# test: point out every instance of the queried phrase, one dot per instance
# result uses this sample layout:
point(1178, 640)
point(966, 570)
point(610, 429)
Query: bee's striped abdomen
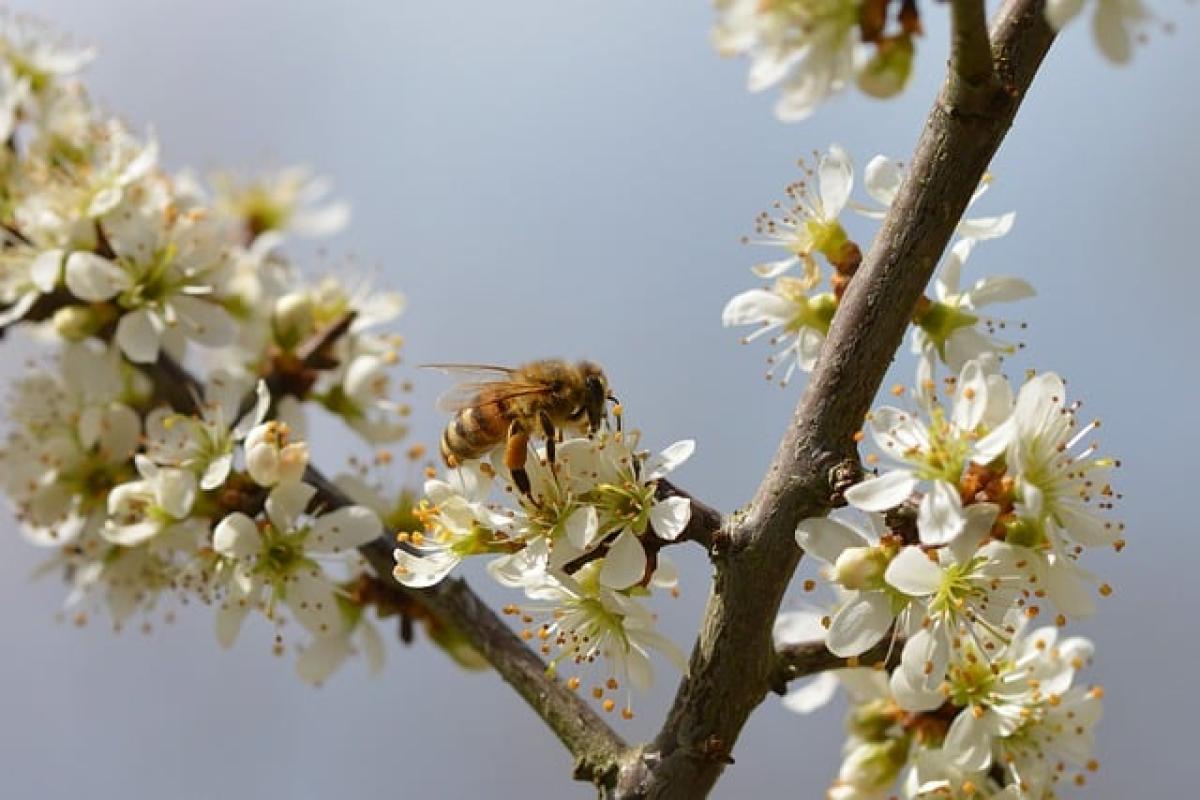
point(474, 431)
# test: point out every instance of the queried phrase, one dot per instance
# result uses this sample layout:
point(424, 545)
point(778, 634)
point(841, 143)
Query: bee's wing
point(476, 394)
point(482, 371)
point(473, 379)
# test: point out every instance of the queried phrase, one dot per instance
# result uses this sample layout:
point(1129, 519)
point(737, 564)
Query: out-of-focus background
point(557, 177)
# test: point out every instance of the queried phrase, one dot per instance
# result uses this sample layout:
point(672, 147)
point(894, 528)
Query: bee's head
point(595, 394)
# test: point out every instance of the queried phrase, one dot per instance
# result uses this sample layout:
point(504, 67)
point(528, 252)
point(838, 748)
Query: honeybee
point(502, 405)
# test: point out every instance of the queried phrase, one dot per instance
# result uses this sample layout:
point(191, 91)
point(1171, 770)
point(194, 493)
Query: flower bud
point(76, 323)
point(887, 72)
point(293, 318)
point(873, 766)
point(270, 458)
point(860, 567)
point(871, 721)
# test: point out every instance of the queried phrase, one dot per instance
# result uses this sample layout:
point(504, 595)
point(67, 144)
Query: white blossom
point(165, 276)
point(858, 562)
point(950, 328)
point(288, 201)
point(1115, 23)
point(807, 46)
point(72, 439)
point(204, 443)
point(933, 456)
point(882, 181)
point(274, 561)
point(272, 457)
point(1060, 486)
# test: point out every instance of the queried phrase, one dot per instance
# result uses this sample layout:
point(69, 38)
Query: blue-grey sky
point(556, 177)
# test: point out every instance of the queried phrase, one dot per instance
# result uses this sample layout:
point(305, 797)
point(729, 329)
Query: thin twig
point(971, 76)
point(702, 528)
point(795, 661)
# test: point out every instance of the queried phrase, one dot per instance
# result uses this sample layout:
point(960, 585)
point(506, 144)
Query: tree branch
point(970, 77)
point(593, 743)
point(795, 661)
point(589, 738)
point(595, 746)
point(733, 662)
point(702, 528)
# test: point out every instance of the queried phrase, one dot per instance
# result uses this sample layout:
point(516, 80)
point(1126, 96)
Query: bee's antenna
point(617, 410)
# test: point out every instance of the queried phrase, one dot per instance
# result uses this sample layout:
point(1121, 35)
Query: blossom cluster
point(583, 545)
point(975, 529)
point(797, 310)
point(1013, 722)
point(815, 49)
point(982, 500)
point(152, 487)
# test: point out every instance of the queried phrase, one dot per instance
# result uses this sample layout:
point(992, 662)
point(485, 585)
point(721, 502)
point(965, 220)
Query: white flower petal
point(581, 526)
point(756, 306)
point(206, 322)
point(882, 179)
point(1086, 528)
point(419, 572)
point(344, 529)
point(984, 228)
point(913, 573)
point(625, 563)
point(884, 492)
point(669, 517)
point(826, 539)
point(1112, 35)
point(237, 537)
point(139, 335)
point(665, 462)
point(1067, 586)
point(92, 278)
point(859, 624)
point(798, 627)
point(175, 491)
point(216, 472)
point(940, 516)
point(808, 696)
point(773, 269)
point(286, 503)
point(372, 645)
point(911, 695)
point(835, 173)
point(230, 615)
point(950, 276)
point(808, 348)
point(311, 598)
point(321, 657)
point(999, 289)
point(1060, 12)
point(970, 397)
point(968, 742)
point(45, 270)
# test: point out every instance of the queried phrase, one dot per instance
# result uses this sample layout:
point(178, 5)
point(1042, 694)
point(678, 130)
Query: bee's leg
point(516, 449)
point(551, 437)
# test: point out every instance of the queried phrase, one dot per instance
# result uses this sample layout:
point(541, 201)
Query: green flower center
point(939, 322)
point(947, 452)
